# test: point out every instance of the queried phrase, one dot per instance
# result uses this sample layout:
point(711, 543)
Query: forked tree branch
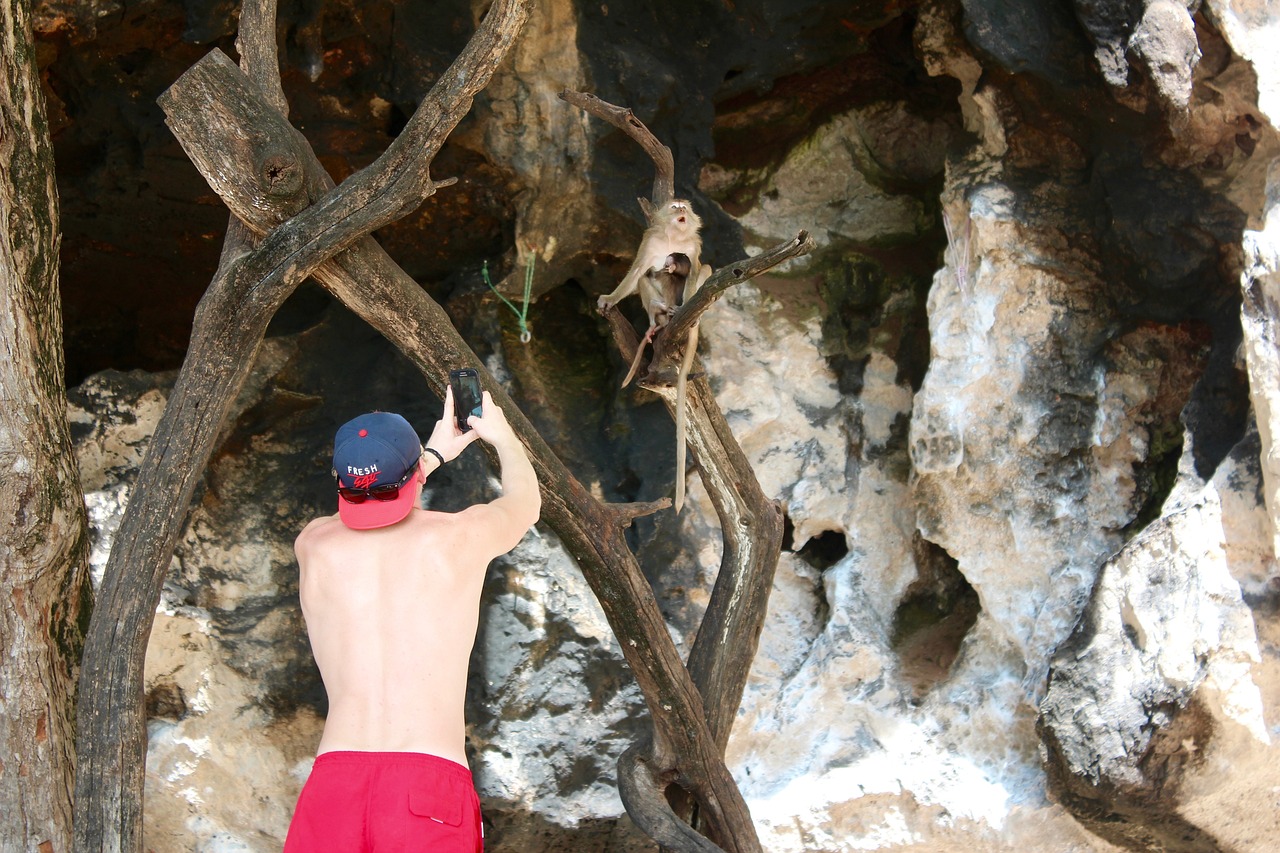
point(641, 786)
point(368, 282)
point(230, 322)
point(733, 274)
point(259, 52)
point(664, 180)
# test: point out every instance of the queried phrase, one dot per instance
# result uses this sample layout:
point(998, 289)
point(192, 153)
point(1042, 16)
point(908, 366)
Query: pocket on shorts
point(440, 801)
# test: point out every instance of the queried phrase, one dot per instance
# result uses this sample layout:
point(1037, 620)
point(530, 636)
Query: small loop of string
point(522, 313)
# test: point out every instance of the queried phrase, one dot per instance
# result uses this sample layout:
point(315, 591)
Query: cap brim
point(371, 513)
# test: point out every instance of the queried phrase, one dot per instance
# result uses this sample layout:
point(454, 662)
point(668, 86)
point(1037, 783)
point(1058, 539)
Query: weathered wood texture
point(664, 176)
point(642, 784)
point(751, 523)
point(43, 534)
point(248, 288)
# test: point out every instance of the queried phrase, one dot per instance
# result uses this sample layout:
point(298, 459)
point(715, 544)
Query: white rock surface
point(1189, 710)
point(828, 747)
point(829, 183)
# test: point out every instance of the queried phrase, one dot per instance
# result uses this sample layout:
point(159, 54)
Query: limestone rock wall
point(1019, 406)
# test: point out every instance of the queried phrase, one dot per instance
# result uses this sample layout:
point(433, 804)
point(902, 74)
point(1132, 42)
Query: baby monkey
point(669, 283)
point(673, 277)
point(667, 271)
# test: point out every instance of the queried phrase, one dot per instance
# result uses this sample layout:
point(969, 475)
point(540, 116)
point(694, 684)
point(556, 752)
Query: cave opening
point(824, 550)
point(933, 618)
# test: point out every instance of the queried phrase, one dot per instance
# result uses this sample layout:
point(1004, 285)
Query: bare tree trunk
point(750, 523)
point(43, 541)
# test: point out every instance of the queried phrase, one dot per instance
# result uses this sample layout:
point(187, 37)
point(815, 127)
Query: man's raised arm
point(520, 503)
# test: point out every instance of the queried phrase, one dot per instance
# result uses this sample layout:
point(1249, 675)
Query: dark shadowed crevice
point(820, 553)
point(824, 550)
point(166, 700)
point(1157, 476)
point(1132, 810)
point(934, 616)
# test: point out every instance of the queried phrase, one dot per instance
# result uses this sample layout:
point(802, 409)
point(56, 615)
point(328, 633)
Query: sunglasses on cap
point(385, 492)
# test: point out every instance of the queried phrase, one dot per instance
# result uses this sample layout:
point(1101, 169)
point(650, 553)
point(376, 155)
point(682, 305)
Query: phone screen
point(466, 395)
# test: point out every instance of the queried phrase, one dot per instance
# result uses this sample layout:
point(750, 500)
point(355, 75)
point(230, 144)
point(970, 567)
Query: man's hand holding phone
point(446, 438)
point(470, 413)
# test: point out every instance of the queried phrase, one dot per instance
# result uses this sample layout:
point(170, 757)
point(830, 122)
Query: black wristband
point(435, 453)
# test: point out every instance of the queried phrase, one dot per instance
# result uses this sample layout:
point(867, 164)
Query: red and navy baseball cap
point(373, 450)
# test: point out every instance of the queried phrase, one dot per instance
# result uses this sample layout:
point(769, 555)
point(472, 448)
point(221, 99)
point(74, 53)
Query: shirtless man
point(391, 597)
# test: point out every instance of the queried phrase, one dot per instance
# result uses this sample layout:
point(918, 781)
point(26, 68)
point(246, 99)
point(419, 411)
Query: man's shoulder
point(425, 522)
point(317, 528)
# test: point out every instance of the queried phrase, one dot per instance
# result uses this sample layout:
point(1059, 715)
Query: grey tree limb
point(641, 784)
point(664, 179)
point(44, 543)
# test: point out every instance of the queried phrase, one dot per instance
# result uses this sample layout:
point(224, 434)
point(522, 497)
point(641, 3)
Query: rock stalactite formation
point(1020, 405)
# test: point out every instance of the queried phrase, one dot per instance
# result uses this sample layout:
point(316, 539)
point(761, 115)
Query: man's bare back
point(392, 617)
point(392, 610)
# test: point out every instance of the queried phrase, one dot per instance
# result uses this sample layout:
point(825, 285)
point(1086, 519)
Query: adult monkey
point(673, 234)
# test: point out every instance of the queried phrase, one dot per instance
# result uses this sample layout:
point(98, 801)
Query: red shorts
point(386, 802)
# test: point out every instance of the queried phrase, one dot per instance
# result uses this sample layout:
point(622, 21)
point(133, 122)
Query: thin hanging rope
point(522, 313)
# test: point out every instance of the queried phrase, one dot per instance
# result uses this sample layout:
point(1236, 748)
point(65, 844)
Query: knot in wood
point(281, 176)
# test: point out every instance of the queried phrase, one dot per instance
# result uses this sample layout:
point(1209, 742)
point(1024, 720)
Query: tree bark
point(44, 581)
point(229, 326)
point(664, 173)
point(752, 524)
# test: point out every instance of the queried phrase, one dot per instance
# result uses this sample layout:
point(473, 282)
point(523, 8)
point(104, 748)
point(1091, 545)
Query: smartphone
point(466, 395)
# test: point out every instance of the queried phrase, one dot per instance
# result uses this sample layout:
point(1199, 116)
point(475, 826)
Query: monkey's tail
point(635, 362)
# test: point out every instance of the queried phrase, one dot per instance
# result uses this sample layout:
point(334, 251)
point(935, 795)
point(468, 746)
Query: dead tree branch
point(751, 524)
point(726, 277)
point(369, 283)
point(668, 344)
point(641, 785)
point(664, 180)
point(230, 322)
point(44, 541)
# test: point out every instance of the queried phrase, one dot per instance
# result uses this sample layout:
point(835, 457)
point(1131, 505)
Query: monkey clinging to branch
point(662, 290)
point(673, 277)
point(667, 271)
